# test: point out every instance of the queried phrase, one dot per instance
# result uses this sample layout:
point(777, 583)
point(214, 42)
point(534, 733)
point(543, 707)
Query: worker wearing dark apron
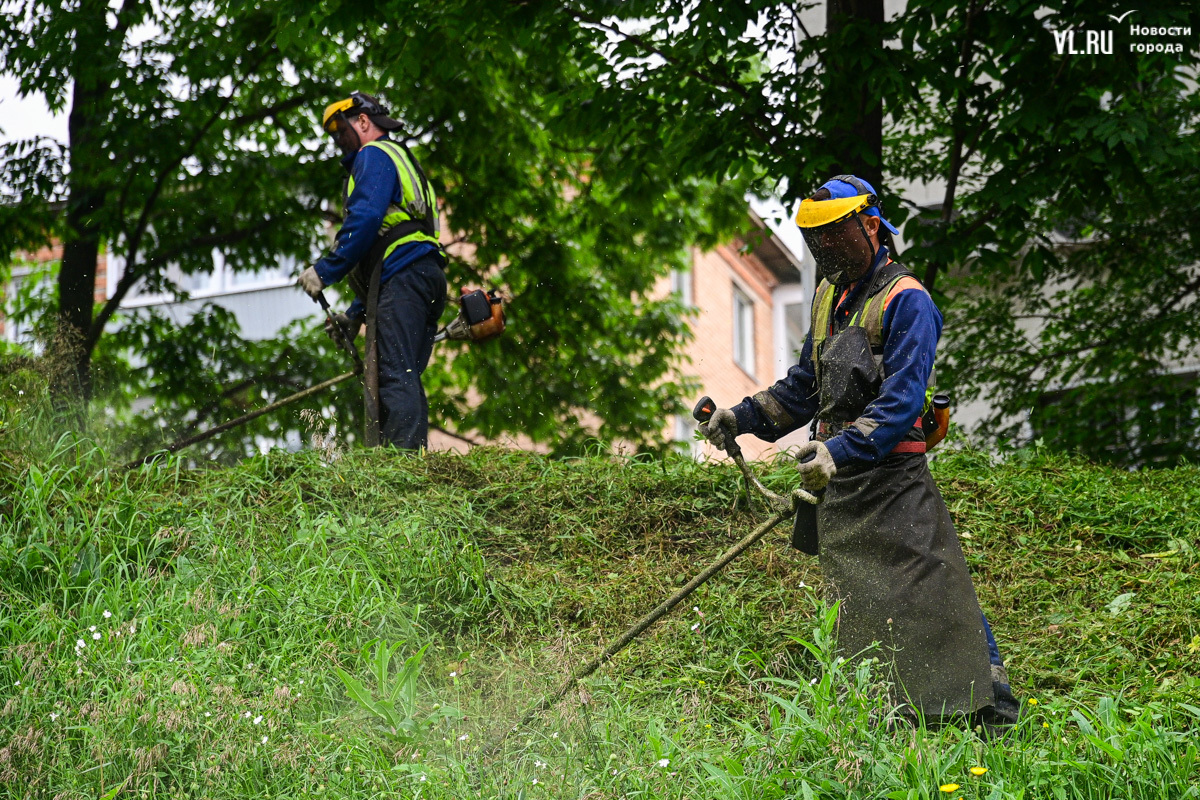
point(886, 542)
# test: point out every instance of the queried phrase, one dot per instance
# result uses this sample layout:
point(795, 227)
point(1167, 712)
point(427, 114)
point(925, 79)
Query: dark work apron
point(888, 548)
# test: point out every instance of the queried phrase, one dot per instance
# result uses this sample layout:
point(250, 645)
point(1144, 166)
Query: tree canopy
point(582, 146)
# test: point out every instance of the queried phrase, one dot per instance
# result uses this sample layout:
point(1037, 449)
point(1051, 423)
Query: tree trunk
point(854, 128)
point(71, 347)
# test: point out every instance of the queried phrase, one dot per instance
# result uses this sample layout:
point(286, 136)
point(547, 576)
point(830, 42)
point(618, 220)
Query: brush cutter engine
point(480, 317)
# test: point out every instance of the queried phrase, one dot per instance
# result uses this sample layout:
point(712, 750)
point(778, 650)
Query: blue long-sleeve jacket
point(376, 186)
point(912, 326)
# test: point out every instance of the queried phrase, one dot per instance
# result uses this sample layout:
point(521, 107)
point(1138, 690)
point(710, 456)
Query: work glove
point(310, 282)
point(815, 474)
point(342, 324)
point(721, 429)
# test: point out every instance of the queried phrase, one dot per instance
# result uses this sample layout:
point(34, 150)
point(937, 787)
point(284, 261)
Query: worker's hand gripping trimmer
point(343, 337)
point(798, 498)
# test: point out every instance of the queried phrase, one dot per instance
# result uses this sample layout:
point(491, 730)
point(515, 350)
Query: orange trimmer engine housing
point(480, 317)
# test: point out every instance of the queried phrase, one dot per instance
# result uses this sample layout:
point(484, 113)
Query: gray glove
point(815, 474)
point(310, 282)
point(345, 325)
point(721, 430)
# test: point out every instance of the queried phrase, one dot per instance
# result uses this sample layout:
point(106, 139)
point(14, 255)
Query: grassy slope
point(234, 594)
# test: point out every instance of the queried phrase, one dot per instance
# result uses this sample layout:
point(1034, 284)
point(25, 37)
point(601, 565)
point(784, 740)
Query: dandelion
point(1032, 702)
point(663, 763)
point(977, 771)
point(107, 614)
point(258, 719)
point(96, 636)
point(708, 726)
point(948, 788)
point(1045, 724)
point(464, 737)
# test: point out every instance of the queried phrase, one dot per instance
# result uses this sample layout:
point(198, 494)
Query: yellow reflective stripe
point(350, 187)
point(419, 236)
point(822, 307)
point(410, 183)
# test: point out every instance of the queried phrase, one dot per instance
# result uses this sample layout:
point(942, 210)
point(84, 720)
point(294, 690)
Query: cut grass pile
point(179, 633)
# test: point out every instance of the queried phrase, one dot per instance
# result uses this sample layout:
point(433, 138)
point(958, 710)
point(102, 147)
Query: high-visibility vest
point(415, 218)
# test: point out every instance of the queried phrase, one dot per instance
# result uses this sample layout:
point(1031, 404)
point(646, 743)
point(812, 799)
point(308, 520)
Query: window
point(743, 331)
point(222, 279)
point(681, 286)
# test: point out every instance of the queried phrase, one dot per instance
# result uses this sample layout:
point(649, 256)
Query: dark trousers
point(410, 304)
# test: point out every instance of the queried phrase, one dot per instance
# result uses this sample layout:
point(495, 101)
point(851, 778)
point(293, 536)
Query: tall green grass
point(170, 632)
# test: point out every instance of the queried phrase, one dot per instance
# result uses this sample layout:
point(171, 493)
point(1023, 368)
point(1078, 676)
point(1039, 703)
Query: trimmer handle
point(704, 409)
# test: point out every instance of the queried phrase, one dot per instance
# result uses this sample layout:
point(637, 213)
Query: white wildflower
point(53, 716)
point(423, 779)
point(663, 763)
point(107, 614)
point(80, 644)
point(534, 781)
point(18, 683)
point(539, 764)
point(696, 627)
point(302, 681)
point(453, 674)
point(258, 719)
point(92, 629)
point(802, 584)
point(464, 737)
point(246, 715)
point(554, 735)
point(208, 713)
point(264, 740)
point(96, 636)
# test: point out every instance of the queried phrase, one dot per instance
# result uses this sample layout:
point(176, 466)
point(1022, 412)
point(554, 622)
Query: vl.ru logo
point(1092, 42)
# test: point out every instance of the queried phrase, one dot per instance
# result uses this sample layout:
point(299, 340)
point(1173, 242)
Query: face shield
point(834, 234)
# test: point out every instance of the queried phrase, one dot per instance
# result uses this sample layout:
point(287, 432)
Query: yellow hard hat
point(815, 213)
point(357, 103)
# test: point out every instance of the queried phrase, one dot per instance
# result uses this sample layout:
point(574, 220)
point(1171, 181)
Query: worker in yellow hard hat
point(389, 250)
point(885, 539)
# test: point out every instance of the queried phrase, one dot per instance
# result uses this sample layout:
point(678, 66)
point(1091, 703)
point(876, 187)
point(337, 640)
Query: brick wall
point(714, 276)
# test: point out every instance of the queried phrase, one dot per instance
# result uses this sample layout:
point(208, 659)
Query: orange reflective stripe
point(901, 285)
